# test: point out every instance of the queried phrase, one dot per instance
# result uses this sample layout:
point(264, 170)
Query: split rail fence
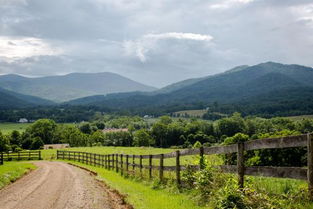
point(124, 163)
point(22, 155)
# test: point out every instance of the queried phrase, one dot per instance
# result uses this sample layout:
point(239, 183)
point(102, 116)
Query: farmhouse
point(55, 146)
point(23, 120)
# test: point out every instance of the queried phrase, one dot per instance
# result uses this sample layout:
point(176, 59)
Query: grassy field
point(9, 127)
point(11, 171)
point(6, 128)
point(192, 113)
point(300, 117)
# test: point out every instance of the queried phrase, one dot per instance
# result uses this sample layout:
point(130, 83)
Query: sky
point(155, 42)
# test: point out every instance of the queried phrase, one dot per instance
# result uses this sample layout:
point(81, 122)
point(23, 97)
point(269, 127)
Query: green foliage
point(44, 129)
point(142, 138)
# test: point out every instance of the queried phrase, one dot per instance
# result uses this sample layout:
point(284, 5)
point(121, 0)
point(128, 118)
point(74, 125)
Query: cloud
point(13, 48)
point(143, 45)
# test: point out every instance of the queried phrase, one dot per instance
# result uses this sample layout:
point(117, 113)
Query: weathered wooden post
point(105, 161)
point(39, 155)
point(310, 165)
point(127, 164)
point(240, 164)
point(150, 167)
point(116, 158)
point(201, 163)
point(140, 165)
point(109, 162)
point(161, 167)
point(121, 164)
point(133, 162)
point(112, 161)
point(74, 156)
point(178, 168)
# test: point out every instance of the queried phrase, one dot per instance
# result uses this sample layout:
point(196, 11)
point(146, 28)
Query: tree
point(85, 128)
point(37, 143)
point(97, 137)
point(15, 138)
point(44, 129)
point(142, 138)
point(4, 143)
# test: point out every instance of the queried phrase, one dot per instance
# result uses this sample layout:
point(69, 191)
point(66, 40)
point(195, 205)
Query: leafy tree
point(4, 143)
point(44, 129)
point(142, 138)
point(85, 128)
point(37, 143)
point(15, 138)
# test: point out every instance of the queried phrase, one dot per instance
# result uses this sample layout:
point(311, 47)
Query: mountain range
point(271, 86)
point(71, 86)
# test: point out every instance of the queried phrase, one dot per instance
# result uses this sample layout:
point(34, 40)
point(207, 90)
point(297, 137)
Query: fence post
point(161, 167)
point(121, 164)
point(240, 164)
point(133, 162)
point(18, 155)
point(74, 156)
point(150, 167)
point(39, 155)
point(127, 164)
point(310, 165)
point(201, 158)
point(116, 159)
point(178, 168)
point(140, 164)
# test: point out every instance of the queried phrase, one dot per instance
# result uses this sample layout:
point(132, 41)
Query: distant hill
point(257, 85)
point(71, 86)
point(9, 99)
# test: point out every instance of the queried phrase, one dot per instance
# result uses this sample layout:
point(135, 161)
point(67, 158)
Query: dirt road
point(55, 185)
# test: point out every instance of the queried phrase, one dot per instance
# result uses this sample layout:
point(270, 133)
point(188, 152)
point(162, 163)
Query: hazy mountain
point(244, 83)
point(71, 86)
point(9, 99)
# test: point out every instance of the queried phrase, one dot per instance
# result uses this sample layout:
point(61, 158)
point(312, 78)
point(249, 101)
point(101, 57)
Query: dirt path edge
point(117, 200)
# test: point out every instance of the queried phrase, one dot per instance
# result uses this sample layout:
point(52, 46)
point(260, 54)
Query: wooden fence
point(22, 155)
point(1, 158)
point(123, 163)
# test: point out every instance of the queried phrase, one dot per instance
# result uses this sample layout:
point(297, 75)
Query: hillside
point(248, 84)
point(71, 86)
point(9, 99)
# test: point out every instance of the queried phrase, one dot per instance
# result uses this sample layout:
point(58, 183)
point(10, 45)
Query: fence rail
point(124, 163)
point(22, 155)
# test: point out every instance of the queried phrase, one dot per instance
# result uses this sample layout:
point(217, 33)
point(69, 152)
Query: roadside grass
point(277, 188)
point(142, 194)
point(11, 171)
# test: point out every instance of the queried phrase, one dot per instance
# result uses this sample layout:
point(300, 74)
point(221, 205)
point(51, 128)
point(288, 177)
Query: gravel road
point(55, 185)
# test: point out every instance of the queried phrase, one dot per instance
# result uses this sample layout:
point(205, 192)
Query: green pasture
point(9, 127)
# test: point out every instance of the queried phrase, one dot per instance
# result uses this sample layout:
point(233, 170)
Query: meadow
point(9, 127)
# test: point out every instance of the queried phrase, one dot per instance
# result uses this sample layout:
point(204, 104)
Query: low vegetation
point(11, 171)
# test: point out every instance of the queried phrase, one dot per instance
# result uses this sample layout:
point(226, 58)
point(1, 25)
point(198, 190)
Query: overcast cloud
point(155, 42)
